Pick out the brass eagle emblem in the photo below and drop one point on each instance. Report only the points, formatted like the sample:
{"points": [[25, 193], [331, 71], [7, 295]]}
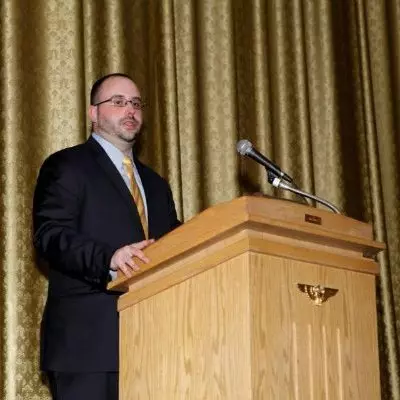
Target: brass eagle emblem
{"points": [[318, 294]]}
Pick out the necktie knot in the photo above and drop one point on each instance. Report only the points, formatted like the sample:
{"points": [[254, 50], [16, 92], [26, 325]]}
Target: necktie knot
{"points": [[127, 160], [128, 167], [127, 163]]}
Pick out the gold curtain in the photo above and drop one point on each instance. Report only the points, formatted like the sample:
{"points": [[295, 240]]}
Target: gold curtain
{"points": [[314, 84]]}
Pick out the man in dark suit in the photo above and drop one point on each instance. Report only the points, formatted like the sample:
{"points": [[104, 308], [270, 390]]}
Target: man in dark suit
{"points": [[88, 224]]}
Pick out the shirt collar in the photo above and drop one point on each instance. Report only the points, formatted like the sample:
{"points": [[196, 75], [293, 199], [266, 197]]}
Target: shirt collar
{"points": [[113, 152]]}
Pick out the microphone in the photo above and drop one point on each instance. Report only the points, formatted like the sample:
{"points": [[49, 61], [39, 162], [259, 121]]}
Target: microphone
{"points": [[245, 148]]}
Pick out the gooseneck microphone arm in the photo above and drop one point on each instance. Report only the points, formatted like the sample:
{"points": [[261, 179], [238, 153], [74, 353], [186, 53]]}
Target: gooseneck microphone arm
{"points": [[276, 176], [278, 183]]}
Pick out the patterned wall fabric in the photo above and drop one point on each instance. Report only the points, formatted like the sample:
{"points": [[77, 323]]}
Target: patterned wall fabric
{"points": [[314, 84]]}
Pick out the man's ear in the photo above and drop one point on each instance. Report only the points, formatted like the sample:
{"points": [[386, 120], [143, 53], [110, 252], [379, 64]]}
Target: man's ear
{"points": [[92, 112]]}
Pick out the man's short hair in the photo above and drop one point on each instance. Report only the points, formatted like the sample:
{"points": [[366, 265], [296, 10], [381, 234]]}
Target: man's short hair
{"points": [[97, 85]]}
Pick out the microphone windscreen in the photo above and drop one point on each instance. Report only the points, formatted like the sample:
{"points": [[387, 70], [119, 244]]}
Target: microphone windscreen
{"points": [[243, 147]]}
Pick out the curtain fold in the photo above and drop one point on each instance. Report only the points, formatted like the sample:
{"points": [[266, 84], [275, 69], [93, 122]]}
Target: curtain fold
{"points": [[315, 85]]}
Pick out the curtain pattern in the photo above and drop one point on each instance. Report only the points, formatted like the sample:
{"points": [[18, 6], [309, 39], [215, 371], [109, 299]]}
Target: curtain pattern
{"points": [[314, 84]]}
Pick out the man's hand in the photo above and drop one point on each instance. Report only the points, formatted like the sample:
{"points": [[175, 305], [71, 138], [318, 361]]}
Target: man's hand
{"points": [[123, 258]]}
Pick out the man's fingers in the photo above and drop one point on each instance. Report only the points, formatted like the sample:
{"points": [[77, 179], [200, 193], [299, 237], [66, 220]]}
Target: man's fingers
{"points": [[125, 270], [124, 258], [131, 263], [127, 266], [136, 249], [140, 255], [143, 244]]}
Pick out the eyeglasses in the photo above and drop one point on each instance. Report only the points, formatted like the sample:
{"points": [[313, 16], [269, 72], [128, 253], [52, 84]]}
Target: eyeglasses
{"points": [[121, 101]]}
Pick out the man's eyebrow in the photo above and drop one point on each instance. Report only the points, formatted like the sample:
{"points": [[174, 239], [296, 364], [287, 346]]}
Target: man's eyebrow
{"points": [[132, 98]]}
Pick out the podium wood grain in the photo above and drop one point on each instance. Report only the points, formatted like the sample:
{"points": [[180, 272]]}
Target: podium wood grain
{"points": [[224, 319]]}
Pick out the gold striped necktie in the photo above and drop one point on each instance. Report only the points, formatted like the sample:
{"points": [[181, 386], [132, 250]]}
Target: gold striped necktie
{"points": [[137, 197]]}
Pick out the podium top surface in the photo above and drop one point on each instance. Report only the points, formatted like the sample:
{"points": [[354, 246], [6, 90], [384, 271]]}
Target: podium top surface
{"points": [[275, 216]]}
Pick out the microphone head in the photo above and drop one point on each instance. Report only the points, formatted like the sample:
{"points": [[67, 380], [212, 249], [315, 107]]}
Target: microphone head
{"points": [[243, 147]]}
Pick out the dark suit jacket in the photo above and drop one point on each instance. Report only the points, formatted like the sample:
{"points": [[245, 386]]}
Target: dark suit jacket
{"points": [[83, 212]]}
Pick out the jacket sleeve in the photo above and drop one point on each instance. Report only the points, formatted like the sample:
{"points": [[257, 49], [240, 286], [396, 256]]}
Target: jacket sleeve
{"points": [[57, 205]]}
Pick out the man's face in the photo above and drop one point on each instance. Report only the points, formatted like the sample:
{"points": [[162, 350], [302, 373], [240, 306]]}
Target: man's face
{"points": [[117, 123]]}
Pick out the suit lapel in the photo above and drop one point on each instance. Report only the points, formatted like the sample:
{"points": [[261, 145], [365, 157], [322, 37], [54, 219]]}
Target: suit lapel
{"points": [[114, 178]]}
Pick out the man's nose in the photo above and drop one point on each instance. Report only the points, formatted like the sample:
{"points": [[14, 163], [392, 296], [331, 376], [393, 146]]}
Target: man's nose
{"points": [[130, 109]]}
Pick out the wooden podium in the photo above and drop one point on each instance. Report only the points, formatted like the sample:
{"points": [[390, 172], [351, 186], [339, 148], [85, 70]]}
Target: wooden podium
{"points": [[253, 299]]}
